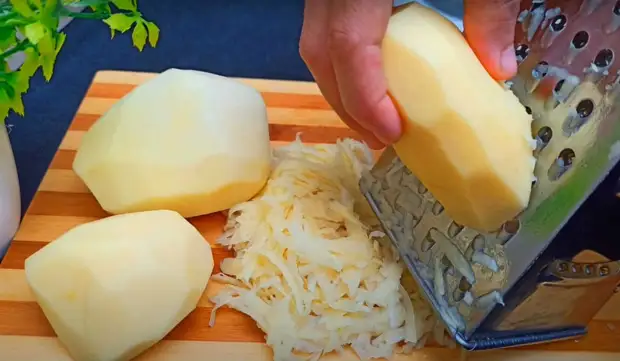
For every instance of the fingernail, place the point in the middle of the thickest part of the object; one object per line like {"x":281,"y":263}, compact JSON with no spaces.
{"x":508,"y":61}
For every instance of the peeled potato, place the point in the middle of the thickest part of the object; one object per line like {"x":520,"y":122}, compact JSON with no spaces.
{"x":466,"y":137}
{"x":114,"y":287}
{"x":188,"y":141}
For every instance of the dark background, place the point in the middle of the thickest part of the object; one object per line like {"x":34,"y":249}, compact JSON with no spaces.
{"x":244,"y":38}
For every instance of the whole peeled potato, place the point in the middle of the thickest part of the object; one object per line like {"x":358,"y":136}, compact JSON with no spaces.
{"x":114,"y":287}
{"x":188,"y":141}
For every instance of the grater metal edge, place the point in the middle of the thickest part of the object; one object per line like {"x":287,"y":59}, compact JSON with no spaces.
{"x":578,"y":143}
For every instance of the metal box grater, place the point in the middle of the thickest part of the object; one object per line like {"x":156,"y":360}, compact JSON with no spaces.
{"x":543,"y":276}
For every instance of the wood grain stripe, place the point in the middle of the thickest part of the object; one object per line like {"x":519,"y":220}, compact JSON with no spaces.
{"x":46,"y":228}
{"x":19,"y":251}
{"x":64,"y":157}
{"x":85,"y":206}
{"x":277,"y":131}
{"x":13,"y":287}
{"x":91,"y":107}
{"x":73,"y":138}
{"x":272,"y":100}
{"x":66,"y":204}
{"x":62,"y":180}
{"x":262,"y":85}
{"x":27,"y":319}
{"x":278,"y":117}
{"x":17,"y":348}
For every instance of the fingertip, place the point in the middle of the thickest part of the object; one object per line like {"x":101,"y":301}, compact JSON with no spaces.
{"x":500,"y":64}
{"x":386,"y":123}
{"x":490,"y":31}
{"x":507,"y":63}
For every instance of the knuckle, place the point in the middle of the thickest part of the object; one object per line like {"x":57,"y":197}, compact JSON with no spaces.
{"x":310,"y":50}
{"x":342,"y":39}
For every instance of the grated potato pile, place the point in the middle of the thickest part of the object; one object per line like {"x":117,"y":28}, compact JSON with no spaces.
{"x":310,"y":269}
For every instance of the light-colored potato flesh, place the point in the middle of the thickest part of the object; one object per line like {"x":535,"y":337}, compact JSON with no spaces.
{"x":466,"y":137}
{"x":114,"y":287}
{"x":188,"y":141}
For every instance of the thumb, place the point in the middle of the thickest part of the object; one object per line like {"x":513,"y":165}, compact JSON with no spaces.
{"x":489,"y":27}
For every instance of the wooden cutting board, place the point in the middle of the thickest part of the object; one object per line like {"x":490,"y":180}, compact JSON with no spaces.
{"x":63,"y":202}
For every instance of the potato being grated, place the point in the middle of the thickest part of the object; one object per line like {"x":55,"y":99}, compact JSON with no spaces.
{"x":310,"y":268}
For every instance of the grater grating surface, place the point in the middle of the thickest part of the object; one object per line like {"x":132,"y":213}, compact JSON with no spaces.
{"x":568,"y":80}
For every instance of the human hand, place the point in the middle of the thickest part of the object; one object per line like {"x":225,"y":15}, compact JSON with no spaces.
{"x":489,"y":27}
{"x":341,"y":45}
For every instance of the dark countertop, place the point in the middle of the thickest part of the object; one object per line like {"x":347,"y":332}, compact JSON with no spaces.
{"x":244,"y":38}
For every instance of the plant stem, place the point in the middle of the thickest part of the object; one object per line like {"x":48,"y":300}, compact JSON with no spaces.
{"x":97,"y":16}
{"x":22,"y":45}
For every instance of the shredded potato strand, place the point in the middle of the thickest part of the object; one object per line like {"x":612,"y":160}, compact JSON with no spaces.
{"x":310,"y":269}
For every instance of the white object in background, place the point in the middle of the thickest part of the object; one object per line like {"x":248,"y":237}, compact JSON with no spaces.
{"x":10,"y":204}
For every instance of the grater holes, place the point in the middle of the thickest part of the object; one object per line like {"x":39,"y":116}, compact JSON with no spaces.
{"x":562,"y":164}
{"x":508,"y":230}
{"x":427,"y":243}
{"x":522,"y":51}
{"x":604,"y":58}
{"x":579,"y":117}
{"x":478,"y":243}
{"x":540,"y":70}
{"x":585,"y":108}
{"x":580,"y":40}
{"x":512,"y":226}
{"x":445,"y":262}
{"x":437,"y":208}
{"x":454,"y":229}
{"x":558,"y":86}
{"x":559,"y":23}
{"x":543,"y":137}
{"x":464,"y":285}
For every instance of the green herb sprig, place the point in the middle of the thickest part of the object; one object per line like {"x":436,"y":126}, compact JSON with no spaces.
{"x":31,"y":27}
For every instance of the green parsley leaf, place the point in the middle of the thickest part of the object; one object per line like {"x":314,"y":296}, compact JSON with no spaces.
{"x":31,"y":62}
{"x":120,"y":22}
{"x":139,"y":35}
{"x":153,"y":33}
{"x":60,"y":41}
{"x":125,"y":4}
{"x":23,"y":8}
{"x":17,"y":104}
{"x":34,"y":32}
{"x":46,"y":44}
{"x":7,"y":38}
{"x":38,"y":21}
{"x":49,"y":14}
